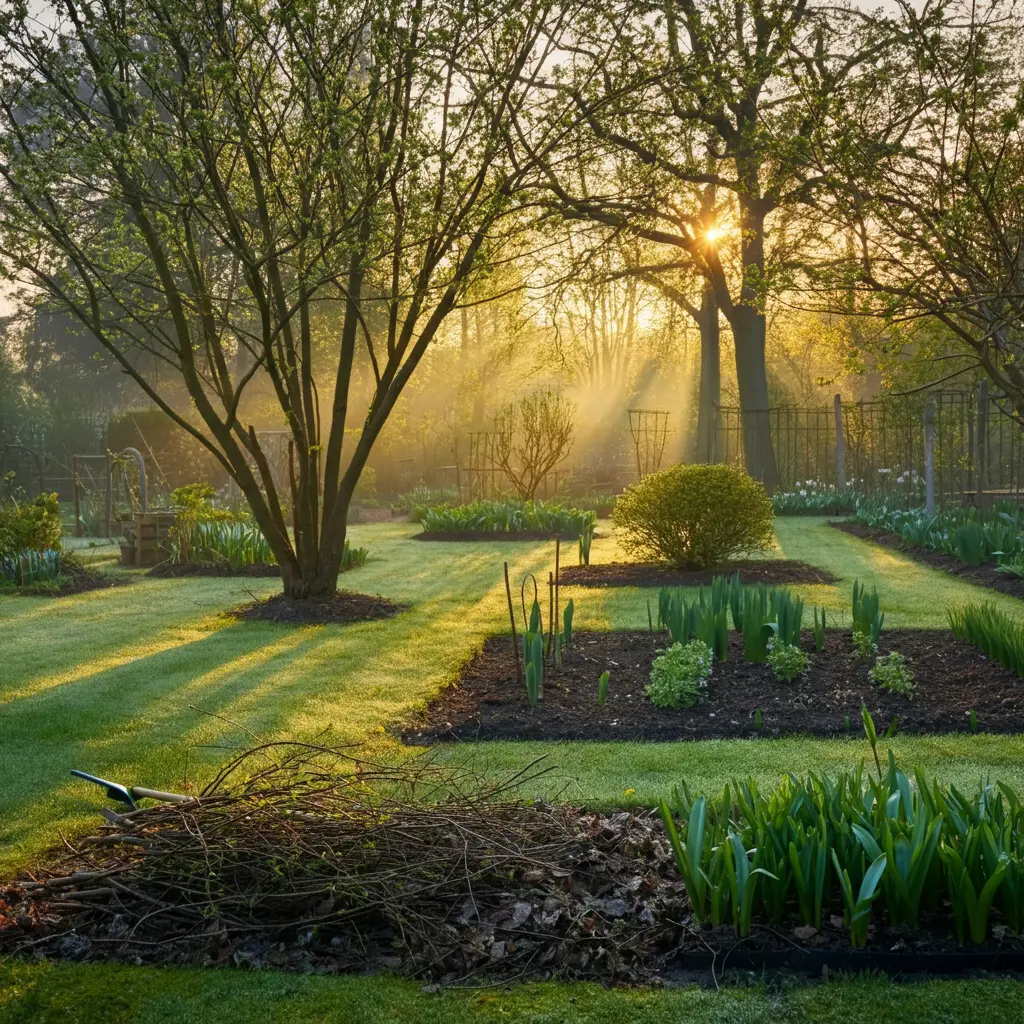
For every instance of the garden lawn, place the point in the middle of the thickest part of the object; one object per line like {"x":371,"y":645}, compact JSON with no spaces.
{"x":151,"y":683}
{"x":94,"y":994}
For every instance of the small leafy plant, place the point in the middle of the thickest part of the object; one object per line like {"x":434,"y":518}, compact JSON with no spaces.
{"x":786,"y":660}
{"x":679,"y":675}
{"x":892,"y":672}
{"x":865,"y":647}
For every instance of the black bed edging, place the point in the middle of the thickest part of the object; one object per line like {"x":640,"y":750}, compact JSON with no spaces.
{"x":813,"y":961}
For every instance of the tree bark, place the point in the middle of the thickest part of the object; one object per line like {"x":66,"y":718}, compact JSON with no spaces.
{"x":749,"y":330}
{"x":710,"y":374}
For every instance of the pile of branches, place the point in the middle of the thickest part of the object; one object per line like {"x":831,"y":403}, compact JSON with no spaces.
{"x":303,"y":857}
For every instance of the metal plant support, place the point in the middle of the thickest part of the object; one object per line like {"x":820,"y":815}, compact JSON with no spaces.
{"x":649,"y":428}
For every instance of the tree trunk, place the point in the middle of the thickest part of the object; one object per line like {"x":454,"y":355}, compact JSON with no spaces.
{"x":749,"y":328}
{"x":710,"y":375}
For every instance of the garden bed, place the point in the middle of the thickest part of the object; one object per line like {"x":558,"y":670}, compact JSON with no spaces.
{"x":535,"y":891}
{"x":979,"y":575}
{"x":74,"y":579}
{"x":779,"y":571}
{"x":345,"y":606}
{"x":953,"y":678}
{"x":173,"y":570}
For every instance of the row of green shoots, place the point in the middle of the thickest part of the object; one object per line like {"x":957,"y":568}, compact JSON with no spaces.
{"x":511,"y":516}
{"x":970,"y":535}
{"x":763,"y":614}
{"x":814,"y":844}
{"x":23,"y":568}
{"x":238,"y":545}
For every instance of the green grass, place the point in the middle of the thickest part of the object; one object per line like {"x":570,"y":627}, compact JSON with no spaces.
{"x":127,"y":682}
{"x":93,"y":994}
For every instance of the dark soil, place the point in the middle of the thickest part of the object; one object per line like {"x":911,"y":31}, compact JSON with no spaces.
{"x":476,"y":535}
{"x":642,"y":574}
{"x":172,"y":570}
{"x":953,"y":678}
{"x":609,"y":907}
{"x":980,"y":575}
{"x":345,"y":606}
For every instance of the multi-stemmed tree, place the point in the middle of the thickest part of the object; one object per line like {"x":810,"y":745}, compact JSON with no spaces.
{"x":924,"y":161}
{"x":699,"y":108}
{"x":237,"y":186}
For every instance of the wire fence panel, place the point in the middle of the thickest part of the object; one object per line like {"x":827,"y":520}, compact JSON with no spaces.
{"x":979,"y":448}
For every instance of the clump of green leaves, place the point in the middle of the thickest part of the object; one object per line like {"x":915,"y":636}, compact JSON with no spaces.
{"x":892,"y":672}
{"x":510,"y":516}
{"x":853,"y":843}
{"x":679,"y":675}
{"x":865,"y":647}
{"x":819,"y":630}
{"x":533,"y":655}
{"x":992,"y":631}
{"x":786,"y":660}
{"x":867,"y":615}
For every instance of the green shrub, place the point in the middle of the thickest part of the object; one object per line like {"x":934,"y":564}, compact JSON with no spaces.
{"x":30,"y":525}
{"x":695,"y":516}
{"x":993,"y":632}
{"x":679,"y":675}
{"x":893,"y":673}
{"x":787,"y":661}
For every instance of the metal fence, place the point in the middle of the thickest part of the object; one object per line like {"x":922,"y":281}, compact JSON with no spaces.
{"x":978,"y":447}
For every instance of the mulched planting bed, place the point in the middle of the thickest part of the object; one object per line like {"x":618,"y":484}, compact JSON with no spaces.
{"x":981,"y":575}
{"x":953,"y":678}
{"x":345,"y":606}
{"x":641,"y":574}
{"x":169,"y":569}
{"x":75,"y":580}
{"x":476,"y":535}
{"x":321,"y":873}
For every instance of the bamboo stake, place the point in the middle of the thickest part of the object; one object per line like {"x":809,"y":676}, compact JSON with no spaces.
{"x":512,"y":620}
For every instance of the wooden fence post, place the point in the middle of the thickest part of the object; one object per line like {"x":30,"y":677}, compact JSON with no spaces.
{"x":108,"y":496}
{"x":982,"y":438}
{"x":75,"y":496}
{"x":929,"y":455}
{"x":840,"y":453}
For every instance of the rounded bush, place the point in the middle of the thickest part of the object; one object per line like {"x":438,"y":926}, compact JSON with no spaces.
{"x":695,"y":517}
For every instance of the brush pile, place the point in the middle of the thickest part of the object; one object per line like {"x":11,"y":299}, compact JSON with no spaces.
{"x":301,"y":857}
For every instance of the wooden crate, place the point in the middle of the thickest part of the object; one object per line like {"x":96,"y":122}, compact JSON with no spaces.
{"x":151,"y":529}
